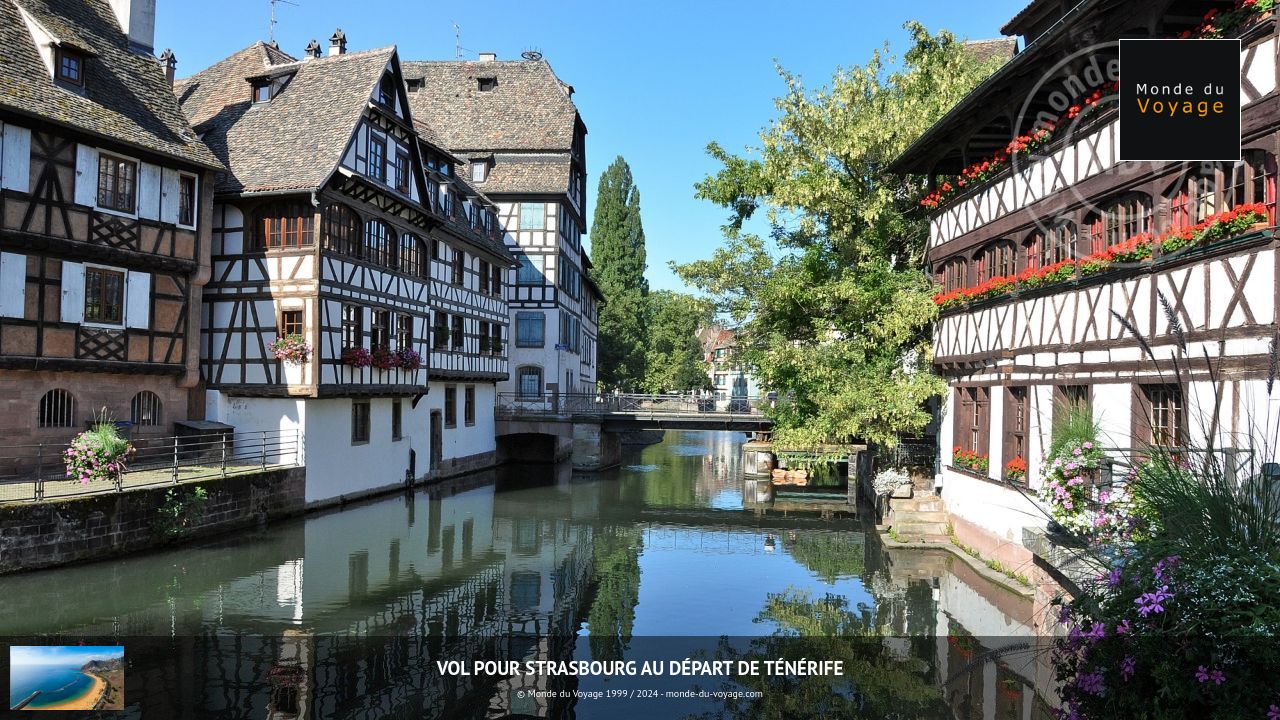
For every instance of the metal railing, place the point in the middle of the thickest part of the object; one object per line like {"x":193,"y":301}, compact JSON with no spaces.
{"x":38,"y":472}
{"x":510,"y":404}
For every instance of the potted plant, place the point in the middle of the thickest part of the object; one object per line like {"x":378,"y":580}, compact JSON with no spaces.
{"x":382,"y":359}
{"x":291,"y":349}
{"x":357,"y":357}
{"x":99,"y":453}
{"x":408,"y":359}
{"x":1016,"y":469}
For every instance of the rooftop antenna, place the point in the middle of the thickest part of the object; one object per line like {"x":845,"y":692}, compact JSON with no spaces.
{"x":271,"y":31}
{"x":457,"y":40}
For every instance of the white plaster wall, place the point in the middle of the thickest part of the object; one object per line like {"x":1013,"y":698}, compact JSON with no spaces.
{"x":461,"y":441}
{"x":336,"y":467}
{"x":995,"y":431}
{"x":1113,"y":411}
{"x":1001,"y":510}
{"x":279,"y":417}
{"x":947,"y":427}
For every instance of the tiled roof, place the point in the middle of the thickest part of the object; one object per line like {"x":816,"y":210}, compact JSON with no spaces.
{"x":294,"y":141}
{"x":529,"y":109}
{"x":528,"y":173}
{"x":126,"y":95}
{"x":985,"y":50}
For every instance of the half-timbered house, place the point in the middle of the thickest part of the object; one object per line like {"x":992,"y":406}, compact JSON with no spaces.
{"x":470,"y":265}
{"x":524,"y":146}
{"x":1052,"y":266}
{"x":321,"y":246}
{"x":104,"y":223}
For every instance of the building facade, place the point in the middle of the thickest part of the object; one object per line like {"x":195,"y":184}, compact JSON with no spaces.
{"x":329,"y":228}
{"x":1066,"y":272}
{"x":524,"y":146}
{"x":733,"y":384}
{"x":105,"y":224}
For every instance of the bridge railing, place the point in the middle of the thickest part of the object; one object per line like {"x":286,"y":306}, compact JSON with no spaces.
{"x":512,"y":404}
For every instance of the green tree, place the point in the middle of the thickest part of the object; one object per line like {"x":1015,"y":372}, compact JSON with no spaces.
{"x":673,"y":358}
{"x":834,"y":308}
{"x":618,"y":257}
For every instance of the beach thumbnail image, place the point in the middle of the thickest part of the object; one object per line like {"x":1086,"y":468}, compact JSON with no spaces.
{"x":66,"y":677}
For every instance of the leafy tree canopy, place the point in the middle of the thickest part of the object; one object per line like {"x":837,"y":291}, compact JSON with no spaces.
{"x":674,"y":361}
{"x":618,"y":256}
{"x":834,"y":308}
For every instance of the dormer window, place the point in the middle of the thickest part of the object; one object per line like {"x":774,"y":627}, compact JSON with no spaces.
{"x":486,"y":84}
{"x":387,"y":91}
{"x":262,"y":91}
{"x":479,"y":170}
{"x":69,"y":66}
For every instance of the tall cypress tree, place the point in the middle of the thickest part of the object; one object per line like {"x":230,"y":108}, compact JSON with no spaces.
{"x":618,"y":256}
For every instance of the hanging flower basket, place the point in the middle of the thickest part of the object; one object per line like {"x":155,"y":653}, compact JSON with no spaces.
{"x":291,"y":349}
{"x":408,"y":359}
{"x":99,"y":453}
{"x":382,"y":359}
{"x":970,"y":459}
{"x":357,"y":357}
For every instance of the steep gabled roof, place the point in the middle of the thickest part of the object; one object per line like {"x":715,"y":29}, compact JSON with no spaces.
{"x":529,"y":109}
{"x":126,"y":96}
{"x":984,"y":51}
{"x":294,"y":141}
{"x":526,"y":173}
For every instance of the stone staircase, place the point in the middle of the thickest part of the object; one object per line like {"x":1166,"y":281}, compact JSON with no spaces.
{"x":919,"y":518}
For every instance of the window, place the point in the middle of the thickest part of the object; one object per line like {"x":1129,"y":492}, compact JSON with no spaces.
{"x":387,"y":91}
{"x":971,"y":418}
{"x":456,"y":335}
{"x":377,"y":158}
{"x":70,"y":66}
{"x":187,"y":202}
{"x":570,"y":280}
{"x":397,"y":420}
{"x":531,"y":270}
{"x":377,"y":243}
{"x":529,"y":382}
{"x":469,"y":405}
{"x":1016,"y":423}
{"x":996,"y":260}
{"x":404,"y":331}
{"x":450,"y":406}
{"x":1118,"y":221}
{"x":570,"y":328}
{"x":1165,"y":416}
{"x":117,"y":183}
{"x":57,"y":409}
{"x":285,"y":225}
{"x":1253,"y":180}
{"x":533,"y":216}
{"x":380,"y":330}
{"x":495,"y":284}
{"x":1194,"y":199}
{"x":954,"y":275}
{"x":437,"y":250}
{"x":359,"y":422}
{"x":440,"y":331}
{"x":340,"y":229}
{"x":290,"y":322}
{"x":479,"y":170}
{"x":459,"y":266}
{"x":1047,"y":247}
{"x":486,"y":84}
{"x":262,"y":91}
{"x":485,"y":277}
{"x":402,"y":172}
{"x":413,"y":256}
{"x":352,"y":326}
{"x":530,"y":329}
{"x":103,"y":296}
{"x":144,"y":409}
{"x":722,"y":380}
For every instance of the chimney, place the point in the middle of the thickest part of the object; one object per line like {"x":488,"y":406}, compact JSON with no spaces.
{"x":312,"y":51}
{"x":137,"y":19}
{"x":488,"y":57}
{"x":170,"y":64}
{"x":338,"y":43}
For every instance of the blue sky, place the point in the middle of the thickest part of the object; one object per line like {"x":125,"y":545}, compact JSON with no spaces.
{"x":655,"y":81}
{"x":62,"y":655}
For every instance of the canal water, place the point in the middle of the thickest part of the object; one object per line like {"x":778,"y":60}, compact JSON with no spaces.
{"x":675,"y":556}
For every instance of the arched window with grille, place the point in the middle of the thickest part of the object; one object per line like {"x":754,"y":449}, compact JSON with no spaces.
{"x":144,"y":409}
{"x":378,"y":243}
{"x":1053,"y":245}
{"x":340,"y":229}
{"x":996,"y":260}
{"x":1253,"y":180}
{"x":57,"y":409}
{"x":285,"y":225}
{"x":413,"y":255}
{"x":1193,"y":198}
{"x":1118,"y":220}
{"x":953,"y":275}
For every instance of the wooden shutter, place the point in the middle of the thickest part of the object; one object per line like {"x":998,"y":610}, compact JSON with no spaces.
{"x":86,"y":175}
{"x":137,"y":300}
{"x":148,"y":191}
{"x":72,"y":310}
{"x":13,"y":285}
{"x":170,"y":197}
{"x":1098,"y":233}
{"x":15,"y":159}
{"x":1180,"y":207}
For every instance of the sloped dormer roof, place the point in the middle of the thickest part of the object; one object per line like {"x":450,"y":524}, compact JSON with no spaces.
{"x":295,"y":141}
{"x":126,"y":96}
